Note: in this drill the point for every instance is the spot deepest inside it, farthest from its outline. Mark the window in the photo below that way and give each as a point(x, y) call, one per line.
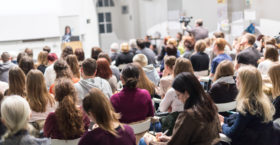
point(105, 3)
point(105, 23)
point(124, 9)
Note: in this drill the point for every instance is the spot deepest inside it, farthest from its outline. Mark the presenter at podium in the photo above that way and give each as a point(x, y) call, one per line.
point(67, 34)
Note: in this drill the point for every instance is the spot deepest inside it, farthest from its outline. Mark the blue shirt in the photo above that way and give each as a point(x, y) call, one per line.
point(216, 61)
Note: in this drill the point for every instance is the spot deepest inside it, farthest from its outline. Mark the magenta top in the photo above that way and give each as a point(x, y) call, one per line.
point(133, 104)
point(99, 136)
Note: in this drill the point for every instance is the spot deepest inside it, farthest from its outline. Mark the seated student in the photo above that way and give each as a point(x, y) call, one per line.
point(170, 102)
point(149, 70)
point(15, 113)
point(189, 43)
point(132, 103)
point(42, 61)
point(200, 60)
point(219, 50)
point(107, 130)
point(125, 56)
point(80, 54)
point(223, 89)
point(271, 57)
point(68, 121)
point(26, 64)
point(104, 71)
point(274, 74)
point(114, 69)
point(198, 124)
point(250, 55)
point(255, 111)
point(167, 75)
point(88, 81)
point(5, 67)
point(38, 97)
point(73, 63)
point(62, 70)
point(16, 83)
point(142, 49)
point(49, 72)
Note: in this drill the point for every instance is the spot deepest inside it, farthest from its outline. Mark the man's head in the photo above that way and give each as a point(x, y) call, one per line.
point(248, 39)
point(140, 43)
point(219, 46)
point(29, 52)
point(5, 56)
point(199, 22)
point(114, 47)
point(89, 67)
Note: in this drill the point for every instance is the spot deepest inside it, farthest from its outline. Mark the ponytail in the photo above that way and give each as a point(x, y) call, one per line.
point(131, 82)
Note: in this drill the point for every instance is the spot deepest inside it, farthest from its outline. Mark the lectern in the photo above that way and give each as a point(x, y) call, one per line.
point(73, 44)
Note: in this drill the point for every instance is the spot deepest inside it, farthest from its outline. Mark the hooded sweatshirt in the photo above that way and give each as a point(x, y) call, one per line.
point(4, 71)
point(83, 87)
point(152, 74)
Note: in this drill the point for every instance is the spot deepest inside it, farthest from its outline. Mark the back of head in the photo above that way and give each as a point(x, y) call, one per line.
point(79, 52)
point(274, 74)
point(144, 82)
point(66, 51)
point(189, 42)
point(125, 47)
point(114, 47)
point(52, 57)
point(99, 106)
point(251, 39)
point(200, 46)
point(68, 116)
point(26, 64)
point(251, 97)
point(182, 65)
point(132, 43)
point(140, 43)
point(141, 59)
point(170, 61)
point(43, 58)
point(220, 43)
point(37, 94)
point(73, 63)
point(199, 22)
point(29, 52)
point(62, 69)
point(130, 75)
point(106, 56)
point(198, 101)
point(20, 56)
point(219, 35)
point(5, 56)
point(15, 113)
point(95, 51)
point(103, 68)
point(89, 67)
point(271, 53)
point(225, 68)
point(270, 41)
point(172, 41)
point(16, 82)
point(171, 50)
point(47, 49)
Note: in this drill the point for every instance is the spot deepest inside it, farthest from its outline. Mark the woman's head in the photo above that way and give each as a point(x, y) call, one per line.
point(189, 42)
point(141, 59)
point(79, 52)
point(274, 74)
point(15, 113)
point(200, 46)
point(144, 82)
point(169, 61)
point(43, 58)
point(66, 51)
point(95, 51)
point(69, 117)
point(182, 65)
point(26, 64)
point(106, 56)
point(225, 68)
point(67, 30)
point(191, 93)
point(20, 56)
point(37, 93)
point(62, 69)
point(130, 75)
point(271, 53)
point(73, 63)
point(103, 68)
point(99, 108)
point(172, 41)
point(251, 97)
point(171, 50)
point(125, 47)
point(16, 82)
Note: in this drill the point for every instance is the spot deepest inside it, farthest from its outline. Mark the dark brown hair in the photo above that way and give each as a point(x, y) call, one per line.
point(62, 69)
point(103, 69)
point(66, 51)
point(130, 75)
point(73, 63)
point(106, 56)
point(89, 66)
point(69, 117)
point(251, 38)
point(16, 82)
point(29, 52)
point(79, 52)
point(26, 64)
point(271, 53)
point(95, 52)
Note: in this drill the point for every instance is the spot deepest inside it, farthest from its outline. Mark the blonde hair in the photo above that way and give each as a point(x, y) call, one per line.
point(200, 46)
point(220, 43)
point(274, 74)
point(43, 58)
point(251, 97)
point(15, 112)
point(141, 59)
point(182, 65)
point(125, 47)
point(172, 41)
point(225, 68)
point(144, 82)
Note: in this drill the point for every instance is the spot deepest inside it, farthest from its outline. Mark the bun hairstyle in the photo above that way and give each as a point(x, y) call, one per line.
point(130, 75)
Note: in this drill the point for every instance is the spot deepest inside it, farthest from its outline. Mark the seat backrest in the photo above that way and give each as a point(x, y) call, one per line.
point(141, 126)
point(223, 107)
point(277, 121)
point(65, 142)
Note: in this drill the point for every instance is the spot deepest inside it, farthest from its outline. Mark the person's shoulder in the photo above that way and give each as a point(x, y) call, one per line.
point(51, 116)
point(90, 137)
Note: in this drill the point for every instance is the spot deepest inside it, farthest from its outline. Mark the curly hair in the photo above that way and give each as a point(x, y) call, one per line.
point(69, 117)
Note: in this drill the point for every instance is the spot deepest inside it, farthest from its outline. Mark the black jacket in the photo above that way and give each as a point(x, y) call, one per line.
point(124, 58)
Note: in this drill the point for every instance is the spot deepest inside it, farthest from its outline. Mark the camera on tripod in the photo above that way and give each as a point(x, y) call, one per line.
point(185, 20)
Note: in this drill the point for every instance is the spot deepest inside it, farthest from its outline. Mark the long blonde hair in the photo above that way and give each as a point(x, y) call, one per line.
point(274, 74)
point(37, 94)
point(144, 82)
point(251, 97)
